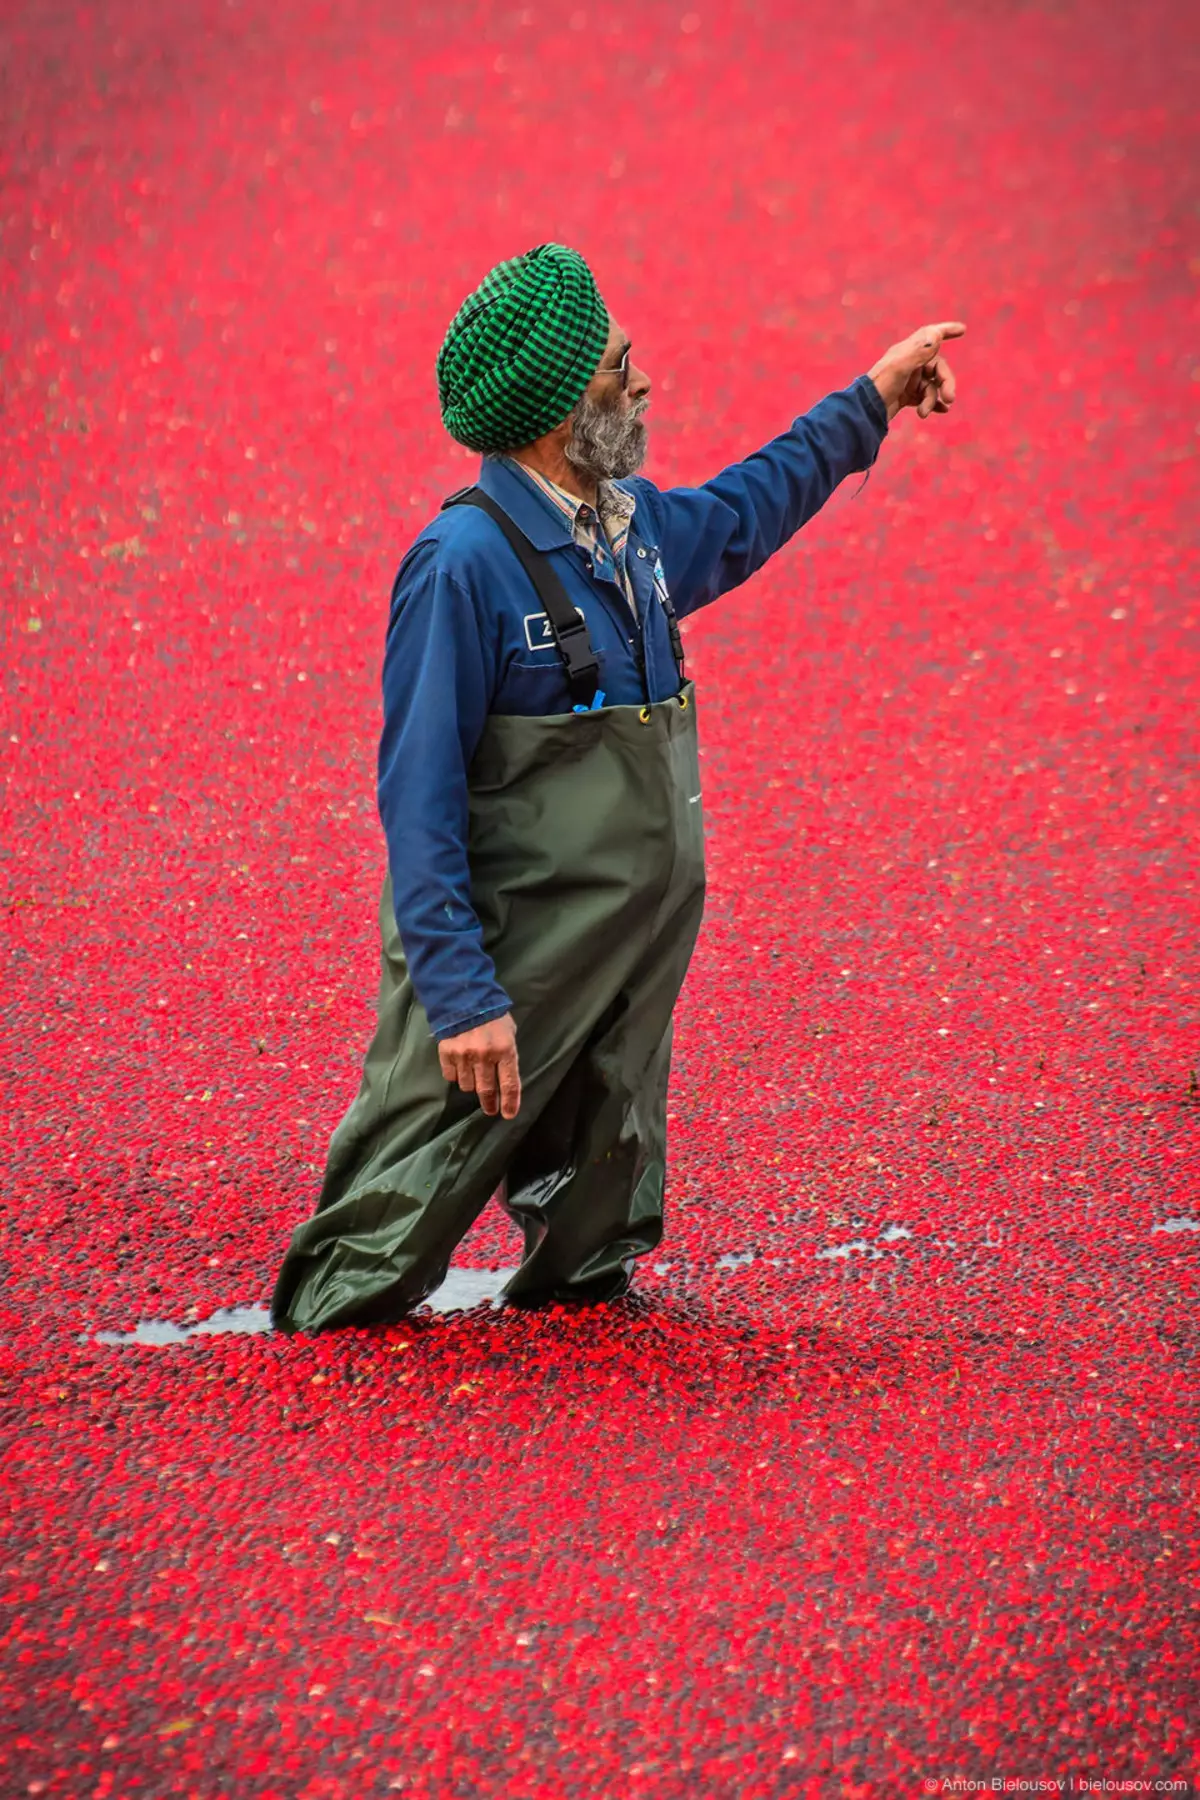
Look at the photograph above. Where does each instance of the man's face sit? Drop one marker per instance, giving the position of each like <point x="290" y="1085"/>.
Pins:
<point x="607" y="438"/>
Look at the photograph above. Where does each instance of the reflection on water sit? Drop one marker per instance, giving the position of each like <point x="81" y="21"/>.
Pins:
<point x="842" y="1252"/>
<point x="162" y="1331"/>
<point x="462" y="1289"/>
<point x="837" y="1252"/>
<point x="466" y="1288"/>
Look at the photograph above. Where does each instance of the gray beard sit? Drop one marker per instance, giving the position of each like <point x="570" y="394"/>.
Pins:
<point x="606" y="442"/>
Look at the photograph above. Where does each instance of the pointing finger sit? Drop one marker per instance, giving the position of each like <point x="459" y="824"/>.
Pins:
<point x="923" y="345"/>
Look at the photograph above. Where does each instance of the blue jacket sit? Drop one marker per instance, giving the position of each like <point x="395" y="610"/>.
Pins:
<point x="467" y="637"/>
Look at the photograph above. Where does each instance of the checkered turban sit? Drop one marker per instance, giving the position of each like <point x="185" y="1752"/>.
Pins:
<point x="521" y="349"/>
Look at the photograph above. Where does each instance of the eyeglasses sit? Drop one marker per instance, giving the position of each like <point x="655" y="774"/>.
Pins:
<point x="622" y="368"/>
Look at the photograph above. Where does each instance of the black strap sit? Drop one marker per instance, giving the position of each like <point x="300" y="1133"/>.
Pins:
<point x="570" y="632"/>
<point x="673" y="628"/>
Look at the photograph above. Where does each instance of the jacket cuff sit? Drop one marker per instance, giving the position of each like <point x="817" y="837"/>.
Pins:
<point x="872" y="400"/>
<point x="448" y="1031"/>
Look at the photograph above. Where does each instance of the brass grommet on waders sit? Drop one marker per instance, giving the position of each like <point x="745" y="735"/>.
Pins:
<point x="683" y="701"/>
<point x="644" y="715"/>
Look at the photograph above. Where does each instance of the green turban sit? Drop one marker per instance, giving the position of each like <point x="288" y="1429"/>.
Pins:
<point x="521" y="349"/>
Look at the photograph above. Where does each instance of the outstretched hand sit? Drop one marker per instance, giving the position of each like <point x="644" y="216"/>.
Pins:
<point x="913" y="373"/>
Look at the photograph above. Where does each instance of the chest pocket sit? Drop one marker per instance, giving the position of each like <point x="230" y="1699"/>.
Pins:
<point x="534" y="680"/>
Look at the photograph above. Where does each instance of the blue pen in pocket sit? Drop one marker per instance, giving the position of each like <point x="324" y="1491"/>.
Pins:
<point x="597" y="702"/>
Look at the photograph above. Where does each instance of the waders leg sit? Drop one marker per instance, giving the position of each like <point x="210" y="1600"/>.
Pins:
<point x="410" y="1168"/>
<point x="589" y="1195"/>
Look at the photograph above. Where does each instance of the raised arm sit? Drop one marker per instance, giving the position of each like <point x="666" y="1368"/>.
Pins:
<point x="714" y="537"/>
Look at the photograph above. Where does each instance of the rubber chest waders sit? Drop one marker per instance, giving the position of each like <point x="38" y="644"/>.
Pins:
<point x="586" y="851"/>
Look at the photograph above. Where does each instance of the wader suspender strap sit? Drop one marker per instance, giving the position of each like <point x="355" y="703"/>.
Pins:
<point x="673" y="628"/>
<point x="570" y="632"/>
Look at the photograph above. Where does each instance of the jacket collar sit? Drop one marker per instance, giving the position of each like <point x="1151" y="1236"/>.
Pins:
<point x="544" y="523"/>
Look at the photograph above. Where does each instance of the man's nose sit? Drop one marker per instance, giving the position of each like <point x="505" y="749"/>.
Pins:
<point x="639" y="382"/>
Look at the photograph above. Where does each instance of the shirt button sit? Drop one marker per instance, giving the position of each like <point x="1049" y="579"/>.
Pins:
<point x="641" y="552"/>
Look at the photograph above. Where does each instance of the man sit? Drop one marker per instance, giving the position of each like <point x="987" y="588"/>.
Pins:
<point x="539" y="792"/>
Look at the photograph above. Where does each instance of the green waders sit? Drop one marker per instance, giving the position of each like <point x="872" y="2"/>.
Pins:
<point x="586" y="850"/>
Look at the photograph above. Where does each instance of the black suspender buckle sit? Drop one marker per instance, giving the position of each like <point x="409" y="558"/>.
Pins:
<point x="575" y="648"/>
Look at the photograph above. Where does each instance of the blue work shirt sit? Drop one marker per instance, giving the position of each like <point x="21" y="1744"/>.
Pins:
<point x="467" y="636"/>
